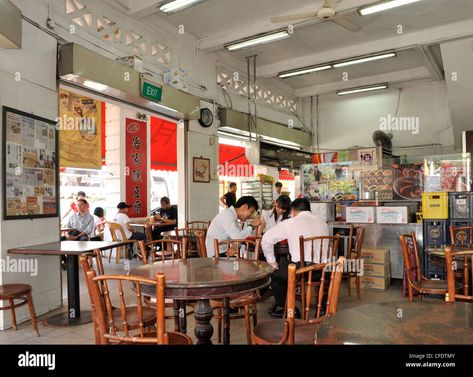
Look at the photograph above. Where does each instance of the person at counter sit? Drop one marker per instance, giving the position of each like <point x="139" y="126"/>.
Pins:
<point x="82" y="223"/>
<point x="277" y="190"/>
<point x="225" y="225"/>
<point x="302" y="223"/>
<point x="229" y="199"/>
<point x="167" y="214"/>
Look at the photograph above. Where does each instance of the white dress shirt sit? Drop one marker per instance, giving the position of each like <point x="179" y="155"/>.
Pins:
<point x="269" y="219"/>
<point x="225" y="226"/>
<point x="123" y="219"/>
<point x="304" y="224"/>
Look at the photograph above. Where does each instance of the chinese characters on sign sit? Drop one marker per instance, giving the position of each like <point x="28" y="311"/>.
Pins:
<point x="136" y="179"/>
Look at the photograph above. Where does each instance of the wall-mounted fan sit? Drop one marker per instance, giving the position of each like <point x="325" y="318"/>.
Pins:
<point x="326" y="13"/>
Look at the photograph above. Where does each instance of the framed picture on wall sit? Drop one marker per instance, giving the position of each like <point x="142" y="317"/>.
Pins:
<point x="201" y="170"/>
<point x="30" y="166"/>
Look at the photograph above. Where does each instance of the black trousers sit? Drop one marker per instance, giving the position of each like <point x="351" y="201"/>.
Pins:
<point x="159" y="229"/>
<point x="279" y="281"/>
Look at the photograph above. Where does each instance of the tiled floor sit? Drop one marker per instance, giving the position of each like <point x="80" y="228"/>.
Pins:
<point x="84" y="334"/>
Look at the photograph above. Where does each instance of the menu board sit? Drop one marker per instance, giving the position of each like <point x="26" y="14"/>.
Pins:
<point x="30" y="180"/>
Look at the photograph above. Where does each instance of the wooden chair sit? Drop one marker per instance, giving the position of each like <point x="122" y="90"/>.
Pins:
<point x="416" y="282"/>
<point x="194" y="246"/>
<point x="113" y="329"/>
<point x="246" y="301"/>
<point x="168" y="249"/>
<point x="292" y="331"/>
<point x="315" y="250"/>
<point x="355" y="243"/>
<point x="116" y="230"/>
<point x="462" y="236"/>
<point x="12" y="292"/>
<point x="198" y="225"/>
<point x="451" y="267"/>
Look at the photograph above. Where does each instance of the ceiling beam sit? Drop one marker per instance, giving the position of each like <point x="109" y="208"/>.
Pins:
<point x="430" y="62"/>
<point x="425" y="37"/>
<point x="391" y="77"/>
<point x="217" y="42"/>
<point x="143" y="8"/>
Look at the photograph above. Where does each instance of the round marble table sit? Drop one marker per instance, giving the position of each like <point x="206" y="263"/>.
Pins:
<point x="202" y="279"/>
<point x="400" y="323"/>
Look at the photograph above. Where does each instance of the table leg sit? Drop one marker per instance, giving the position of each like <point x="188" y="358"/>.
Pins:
<point x="177" y="327"/>
<point x="74" y="316"/>
<point x="203" y="328"/>
<point x="226" y="320"/>
<point x="182" y="316"/>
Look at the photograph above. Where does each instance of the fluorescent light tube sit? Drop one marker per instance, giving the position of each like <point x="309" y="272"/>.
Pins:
<point x="95" y="85"/>
<point x="362" y="89"/>
<point x="303" y="71"/>
<point x="283" y="143"/>
<point x="364" y="60"/>
<point x="385" y="5"/>
<point x="177" y="5"/>
<point x="258" y="40"/>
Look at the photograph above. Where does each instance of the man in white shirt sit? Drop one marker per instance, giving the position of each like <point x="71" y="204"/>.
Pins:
<point x="122" y="218"/>
<point x="225" y="225"/>
<point x="82" y="223"/>
<point x="302" y="223"/>
<point x="277" y="190"/>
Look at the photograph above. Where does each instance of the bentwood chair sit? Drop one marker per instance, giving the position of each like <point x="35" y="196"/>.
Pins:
<point x="12" y="292"/>
<point x="292" y="331"/>
<point x="238" y="249"/>
<point x="355" y="243"/>
<point x="148" y="315"/>
<point x="113" y="329"/>
<point x="194" y="247"/>
<point x="198" y="225"/>
<point x="452" y="266"/>
<point x="416" y="282"/>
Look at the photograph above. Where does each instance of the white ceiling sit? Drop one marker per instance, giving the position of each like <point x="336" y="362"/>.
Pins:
<point x="217" y="22"/>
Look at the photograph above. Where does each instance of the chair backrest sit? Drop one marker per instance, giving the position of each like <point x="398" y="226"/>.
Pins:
<point x="107" y="324"/>
<point x="169" y="250"/>
<point x="412" y="262"/>
<point x="452" y="266"/>
<point x="327" y="298"/>
<point x="320" y="249"/>
<point x="240" y="249"/>
<point x="355" y="241"/>
<point x="201" y="225"/>
<point x="116" y="229"/>
<point x="461" y="235"/>
<point x="201" y="235"/>
<point x="192" y="237"/>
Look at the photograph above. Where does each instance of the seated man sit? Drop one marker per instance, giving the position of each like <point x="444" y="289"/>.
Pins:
<point x="122" y="218"/>
<point x="225" y="225"/>
<point x="82" y="223"/>
<point x="167" y="214"/>
<point x="302" y="223"/>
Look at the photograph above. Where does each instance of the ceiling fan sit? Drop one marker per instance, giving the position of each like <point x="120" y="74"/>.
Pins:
<point x="326" y="13"/>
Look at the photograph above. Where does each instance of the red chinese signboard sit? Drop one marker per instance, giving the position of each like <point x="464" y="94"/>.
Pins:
<point x="136" y="162"/>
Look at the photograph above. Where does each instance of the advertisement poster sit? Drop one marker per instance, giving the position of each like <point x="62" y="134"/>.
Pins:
<point x="80" y="125"/>
<point x="30" y="166"/>
<point x="136" y="171"/>
<point x="454" y="176"/>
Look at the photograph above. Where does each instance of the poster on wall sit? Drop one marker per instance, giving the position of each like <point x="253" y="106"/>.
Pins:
<point x="30" y="180"/>
<point x="80" y="124"/>
<point x="136" y="168"/>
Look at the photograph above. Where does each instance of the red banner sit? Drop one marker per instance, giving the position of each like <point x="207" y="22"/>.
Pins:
<point x="136" y="163"/>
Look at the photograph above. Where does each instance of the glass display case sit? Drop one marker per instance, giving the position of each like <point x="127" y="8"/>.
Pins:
<point x="263" y="192"/>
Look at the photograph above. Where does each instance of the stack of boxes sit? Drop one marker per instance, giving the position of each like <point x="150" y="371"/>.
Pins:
<point x="376" y="269"/>
<point x="440" y="210"/>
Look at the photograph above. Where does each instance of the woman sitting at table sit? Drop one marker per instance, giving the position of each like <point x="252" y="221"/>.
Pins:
<point x="280" y="212"/>
<point x="99" y="224"/>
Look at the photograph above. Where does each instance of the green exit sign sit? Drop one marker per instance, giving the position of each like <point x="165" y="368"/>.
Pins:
<point x="151" y="91"/>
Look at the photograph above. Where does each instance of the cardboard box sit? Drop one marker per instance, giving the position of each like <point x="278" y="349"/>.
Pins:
<point x="373" y="282"/>
<point x="324" y="211"/>
<point x="361" y="215"/>
<point x="392" y="215"/>
<point x="376" y="269"/>
<point x="379" y="256"/>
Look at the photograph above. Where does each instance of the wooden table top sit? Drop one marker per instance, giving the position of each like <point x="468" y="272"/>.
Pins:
<point x="400" y="323"/>
<point x="207" y="277"/>
<point x="66" y="247"/>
